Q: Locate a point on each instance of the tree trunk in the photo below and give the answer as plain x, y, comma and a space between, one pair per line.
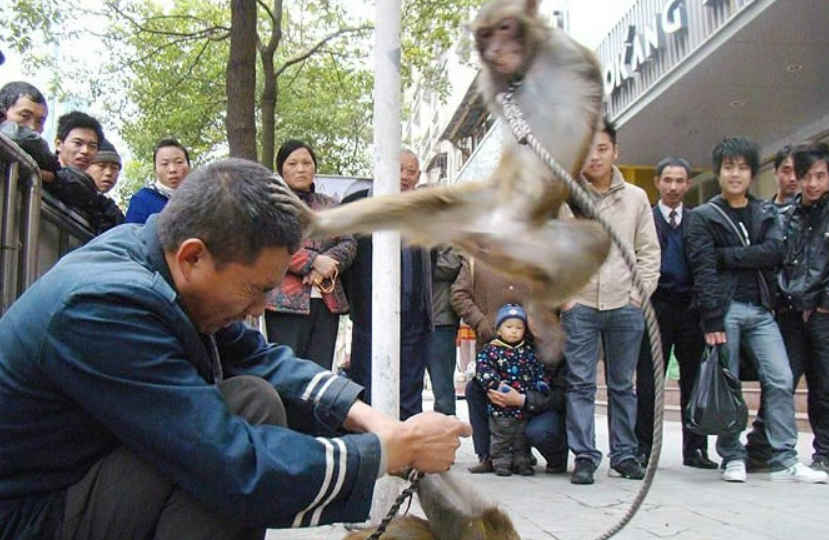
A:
241, 80
270, 91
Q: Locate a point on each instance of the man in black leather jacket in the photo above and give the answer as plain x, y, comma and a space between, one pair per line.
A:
803, 307
734, 244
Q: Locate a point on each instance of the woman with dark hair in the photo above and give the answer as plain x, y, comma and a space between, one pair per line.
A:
172, 165
304, 311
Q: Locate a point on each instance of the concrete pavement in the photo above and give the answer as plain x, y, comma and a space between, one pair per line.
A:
684, 503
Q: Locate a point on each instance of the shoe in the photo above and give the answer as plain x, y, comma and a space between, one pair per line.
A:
525, 470
484, 466
583, 472
735, 471
820, 463
556, 468
627, 468
800, 473
503, 471
699, 460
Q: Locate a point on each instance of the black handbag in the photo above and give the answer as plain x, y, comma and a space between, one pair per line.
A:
716, 406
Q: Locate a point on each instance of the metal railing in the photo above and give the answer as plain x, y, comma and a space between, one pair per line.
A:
35, 228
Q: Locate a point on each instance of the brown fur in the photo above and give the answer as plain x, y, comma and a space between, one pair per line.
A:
508, 221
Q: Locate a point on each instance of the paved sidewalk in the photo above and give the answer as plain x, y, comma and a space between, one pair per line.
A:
684, 503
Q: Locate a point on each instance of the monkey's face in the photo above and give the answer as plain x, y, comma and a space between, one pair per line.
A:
501, 46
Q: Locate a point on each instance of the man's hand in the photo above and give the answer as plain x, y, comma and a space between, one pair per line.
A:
427, 441
506, 396
635, 302
715, 338
568, 305
432, 439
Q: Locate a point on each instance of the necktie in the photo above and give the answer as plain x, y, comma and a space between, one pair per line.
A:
673, 222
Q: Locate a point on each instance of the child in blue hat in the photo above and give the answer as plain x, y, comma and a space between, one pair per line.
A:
509, 361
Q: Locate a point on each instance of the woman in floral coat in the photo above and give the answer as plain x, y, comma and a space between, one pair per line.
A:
304, 311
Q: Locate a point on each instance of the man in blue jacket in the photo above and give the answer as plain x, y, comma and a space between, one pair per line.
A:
134, 403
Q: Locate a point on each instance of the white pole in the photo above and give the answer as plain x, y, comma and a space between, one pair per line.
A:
385, 334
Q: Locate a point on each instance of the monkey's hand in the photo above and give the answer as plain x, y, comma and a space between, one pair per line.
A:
287, 201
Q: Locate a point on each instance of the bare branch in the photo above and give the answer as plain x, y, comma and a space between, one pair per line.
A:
319, 45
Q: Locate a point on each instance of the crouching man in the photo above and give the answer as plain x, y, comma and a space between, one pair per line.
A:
134, 402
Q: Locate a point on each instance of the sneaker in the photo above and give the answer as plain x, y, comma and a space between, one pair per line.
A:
800, 473
735, 471
820, 463
699, 460
484, 466
583, 472
627, 468
525, 470
503, 471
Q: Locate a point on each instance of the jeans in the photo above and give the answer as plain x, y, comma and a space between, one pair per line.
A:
544, 432
755, 325
679, 327
807, 345
440, 361
620, 331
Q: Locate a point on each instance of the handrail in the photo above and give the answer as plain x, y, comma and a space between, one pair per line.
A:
20, 166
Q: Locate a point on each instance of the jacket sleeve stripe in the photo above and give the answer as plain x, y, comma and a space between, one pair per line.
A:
325, 387
309, 390
326, 482
315, 518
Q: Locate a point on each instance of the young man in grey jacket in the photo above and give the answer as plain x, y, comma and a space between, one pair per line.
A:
608, 311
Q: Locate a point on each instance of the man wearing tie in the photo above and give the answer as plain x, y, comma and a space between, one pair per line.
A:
679, 324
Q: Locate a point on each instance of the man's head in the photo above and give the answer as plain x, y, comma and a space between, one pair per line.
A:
172, 162
599, 164
784, 173
673, 179
78, 138
811, 166
511, 323
105, 167
23, 104
226, 244
736, 161
409, 170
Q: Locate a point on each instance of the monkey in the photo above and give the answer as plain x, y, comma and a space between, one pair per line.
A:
508, 221
455, 511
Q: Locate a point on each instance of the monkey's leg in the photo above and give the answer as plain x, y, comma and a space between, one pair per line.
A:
429, 216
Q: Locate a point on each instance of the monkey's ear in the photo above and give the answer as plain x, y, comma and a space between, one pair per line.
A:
531, 7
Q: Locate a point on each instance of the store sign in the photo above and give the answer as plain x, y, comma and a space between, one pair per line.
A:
642, 45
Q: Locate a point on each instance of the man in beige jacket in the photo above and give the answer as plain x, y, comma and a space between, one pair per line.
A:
608, 310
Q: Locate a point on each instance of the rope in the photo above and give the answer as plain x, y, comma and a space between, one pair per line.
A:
521, 131
414, 480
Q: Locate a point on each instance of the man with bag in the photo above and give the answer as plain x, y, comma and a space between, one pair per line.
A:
734, 245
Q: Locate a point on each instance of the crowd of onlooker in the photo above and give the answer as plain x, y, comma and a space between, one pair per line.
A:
737, 272
85, 166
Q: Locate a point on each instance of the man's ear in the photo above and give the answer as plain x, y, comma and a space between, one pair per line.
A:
193, 257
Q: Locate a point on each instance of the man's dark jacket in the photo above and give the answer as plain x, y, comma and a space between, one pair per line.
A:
715, 254
803, 280
99, 353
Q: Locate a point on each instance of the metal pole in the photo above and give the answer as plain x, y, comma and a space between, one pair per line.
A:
385, 335
8, 239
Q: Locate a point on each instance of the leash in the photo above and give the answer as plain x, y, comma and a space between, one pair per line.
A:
414, 480
521, 131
